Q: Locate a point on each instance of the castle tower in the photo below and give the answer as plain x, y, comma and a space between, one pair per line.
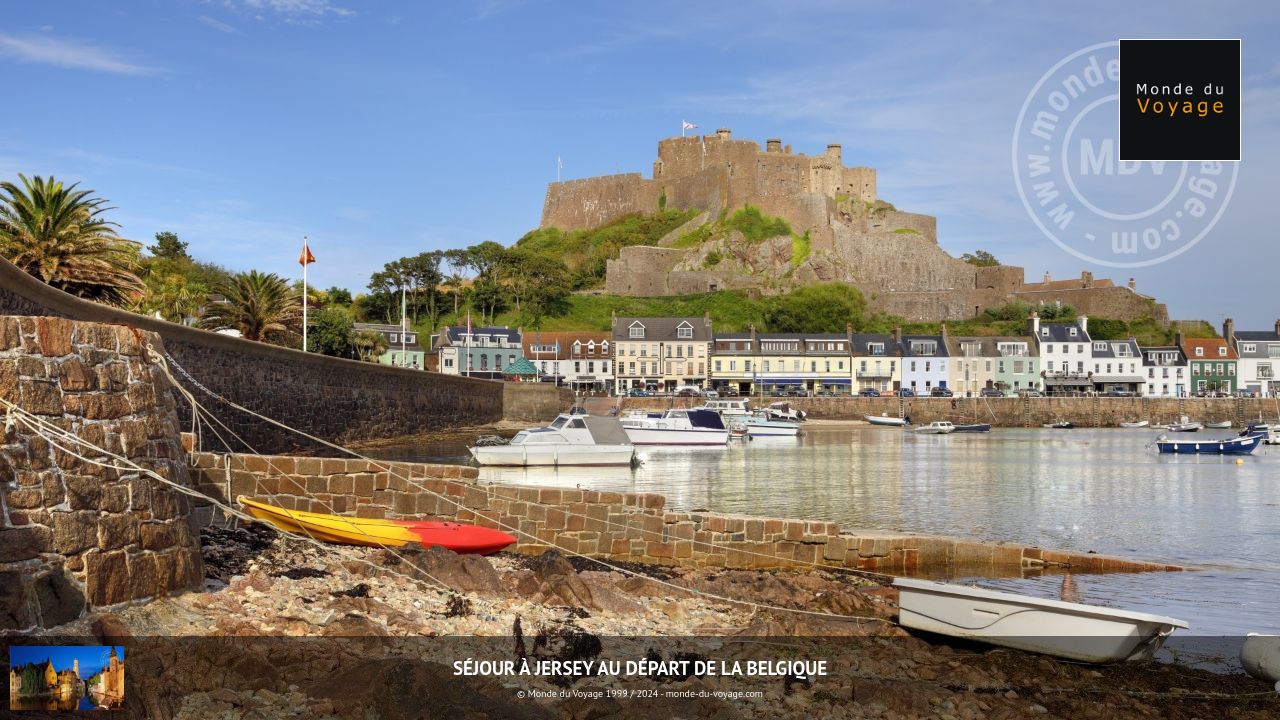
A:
75, 667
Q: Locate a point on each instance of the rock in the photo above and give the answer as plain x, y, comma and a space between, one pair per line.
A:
351, 625
109, 628
26, 542
461, 573
15, 608
59, 600
107, 578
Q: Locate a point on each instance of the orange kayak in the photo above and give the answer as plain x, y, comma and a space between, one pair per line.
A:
379, 532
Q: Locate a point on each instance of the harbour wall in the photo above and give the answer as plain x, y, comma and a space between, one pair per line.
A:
1013, 412
616, 526
332, 398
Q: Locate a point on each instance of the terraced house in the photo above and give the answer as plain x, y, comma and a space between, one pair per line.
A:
1213, 365
924, 362
876, 362
660, 353
1066, 357
1117, 367
764, 363
1259, 358
577, 359
1004, 363
482, 352
1167, 370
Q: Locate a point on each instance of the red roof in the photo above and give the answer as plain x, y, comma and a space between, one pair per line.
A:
1210, 347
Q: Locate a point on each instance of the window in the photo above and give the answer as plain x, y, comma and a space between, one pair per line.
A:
999, 366
717, 366
1073, 332
633, 368
971, 348
1273, 350
876, 348
913, 368
637, 330
924, 347
1050, 368
1080, 349
577, 367
1048, 348
746, 366
395, 337
1199, 352
411, 339
766, 366
1044, 332
1249, 348
733, 365
1099, 347
988, 366
1222, 352
1122, 350
1017, 367
1195, 367
448, 362
1264, 371
1231, 368
684, 331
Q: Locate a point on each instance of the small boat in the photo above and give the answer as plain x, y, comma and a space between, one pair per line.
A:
1239, 445
728, 408
937, 427
784, 411
1059, 425
762, 424
1260, 657
1135, 424
973, 428
1074, 631
1184, 424
1219, 425
571, 439
675, 427
887, 421
378, 532
1270, 433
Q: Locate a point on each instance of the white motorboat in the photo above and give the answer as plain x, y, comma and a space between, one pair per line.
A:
1270, 433
675, 427
1219, 425
784, 411
728, 408
1074, 631
886, 420
571, 439
1135, 424
1260, 657
1184, 424
937, 427
761, 424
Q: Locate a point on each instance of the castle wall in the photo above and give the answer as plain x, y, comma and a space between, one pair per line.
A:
592, 202
1111, 302
641, 271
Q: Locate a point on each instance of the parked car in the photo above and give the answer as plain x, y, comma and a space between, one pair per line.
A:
729, 392
795, 392
905, 392
688, 391
711, 394
869, 392
638, 392
823, 393
990, 392
1117, 393
940, 392
1030, 393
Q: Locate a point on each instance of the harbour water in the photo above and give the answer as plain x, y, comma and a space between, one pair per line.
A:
1088, 490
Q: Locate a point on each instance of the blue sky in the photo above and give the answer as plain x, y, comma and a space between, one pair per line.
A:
92, 657
383, 129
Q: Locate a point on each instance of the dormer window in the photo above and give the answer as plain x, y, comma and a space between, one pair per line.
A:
684, 331
1222, 352
876, 348
1199, 352
636, 330
1044, 332
604, 346
1073, 332
1099, 347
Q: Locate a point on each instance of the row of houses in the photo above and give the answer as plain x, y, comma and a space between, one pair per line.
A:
668, 353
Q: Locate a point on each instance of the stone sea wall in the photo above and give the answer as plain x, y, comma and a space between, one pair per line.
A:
75, 535
616, 526
1013, 412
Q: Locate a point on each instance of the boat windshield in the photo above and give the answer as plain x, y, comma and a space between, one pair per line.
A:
560, 421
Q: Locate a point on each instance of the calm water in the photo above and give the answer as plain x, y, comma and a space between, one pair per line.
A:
1099, 490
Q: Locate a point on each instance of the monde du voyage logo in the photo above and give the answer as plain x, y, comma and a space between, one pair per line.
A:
1123, 152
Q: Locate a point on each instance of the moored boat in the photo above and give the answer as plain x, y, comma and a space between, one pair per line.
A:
1074, 631
887, 421
1184, 424
784, 411
728, 408
973, 428
1239, 445
937, 427
571, 439
1219, 425
675, 427
1135, 424
379, 532
761, 424
1059, 425
1270, 433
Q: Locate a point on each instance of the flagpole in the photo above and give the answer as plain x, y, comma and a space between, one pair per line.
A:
404, 358
558, 166
304, 293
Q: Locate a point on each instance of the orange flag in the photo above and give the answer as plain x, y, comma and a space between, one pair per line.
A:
306, 258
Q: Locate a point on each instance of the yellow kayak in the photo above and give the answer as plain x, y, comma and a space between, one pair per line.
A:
379, 532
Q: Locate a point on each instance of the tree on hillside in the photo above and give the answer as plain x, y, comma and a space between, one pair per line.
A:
331, 332
422, 272
536, 280
169, 247
485, 258
487, 297
981, 258
370, 344
58, 234
261, 306
825, 307
338, 296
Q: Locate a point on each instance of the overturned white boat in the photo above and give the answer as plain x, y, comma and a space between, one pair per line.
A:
1074, 631
887, 421
571, 439
1135, 424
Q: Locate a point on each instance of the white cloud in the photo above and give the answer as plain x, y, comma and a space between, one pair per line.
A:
294, 11
217, 25
45, 50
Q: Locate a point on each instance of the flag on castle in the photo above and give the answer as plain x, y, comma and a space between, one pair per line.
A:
306, 258
686, 125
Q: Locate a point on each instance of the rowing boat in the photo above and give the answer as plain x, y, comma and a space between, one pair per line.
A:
380, 532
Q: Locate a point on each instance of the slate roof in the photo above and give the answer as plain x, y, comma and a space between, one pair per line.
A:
389, 330
1061, 332
661, 329
1147, 350
1256, 337
456, 334
989, 345
563, 341
860, 341
1110, 351
907, 350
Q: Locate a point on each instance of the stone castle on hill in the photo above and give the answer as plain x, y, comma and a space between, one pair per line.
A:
852, 235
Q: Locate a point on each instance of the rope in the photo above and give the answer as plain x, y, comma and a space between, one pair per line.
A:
390, 470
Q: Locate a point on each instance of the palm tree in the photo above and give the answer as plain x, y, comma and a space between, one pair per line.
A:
57, 233
256, 304
370, 344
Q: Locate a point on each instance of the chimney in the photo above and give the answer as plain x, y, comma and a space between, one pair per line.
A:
1047, 277
897, 334
752, 328
1033, 323
848, 333
786, 150
1083, 323
943, 330
1177, 338
1086, 278
773, 145
1133, 284
1229, 331
724, 134
1278, 327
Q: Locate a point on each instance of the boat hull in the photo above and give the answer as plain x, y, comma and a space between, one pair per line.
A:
1230, 446
973, 428
669, 436
1067, 630
885, 420
1132, 425
553, 455
380, 532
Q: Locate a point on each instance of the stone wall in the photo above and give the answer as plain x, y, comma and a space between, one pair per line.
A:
74, 535
340, 400
633, 527
1105, 412
534, 402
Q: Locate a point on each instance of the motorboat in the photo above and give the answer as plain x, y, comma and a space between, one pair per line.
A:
1270, 433
937, 427
1073, 631
1135, 424
1219, 425
571, 439
887, 421
1239, 445
729, 407
1184, 424
380, 532
973, 428
1059, 425
762, 424
784, 411
675, 427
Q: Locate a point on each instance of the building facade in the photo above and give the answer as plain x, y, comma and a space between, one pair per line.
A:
1004, 363
1066, 356
403, 349
877, 362
579, 360
1213, 365
768, 363
1117, 367
924, 363
1258, 353
661, 354
1167, 371
483, 352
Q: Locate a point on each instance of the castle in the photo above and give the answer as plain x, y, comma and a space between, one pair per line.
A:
849, 235
110, 688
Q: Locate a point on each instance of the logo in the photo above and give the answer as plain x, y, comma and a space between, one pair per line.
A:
1075, 187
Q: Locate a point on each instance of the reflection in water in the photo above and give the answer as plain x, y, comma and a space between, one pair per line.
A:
1100, 490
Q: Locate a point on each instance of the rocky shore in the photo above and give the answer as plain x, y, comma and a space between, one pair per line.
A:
286, 629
